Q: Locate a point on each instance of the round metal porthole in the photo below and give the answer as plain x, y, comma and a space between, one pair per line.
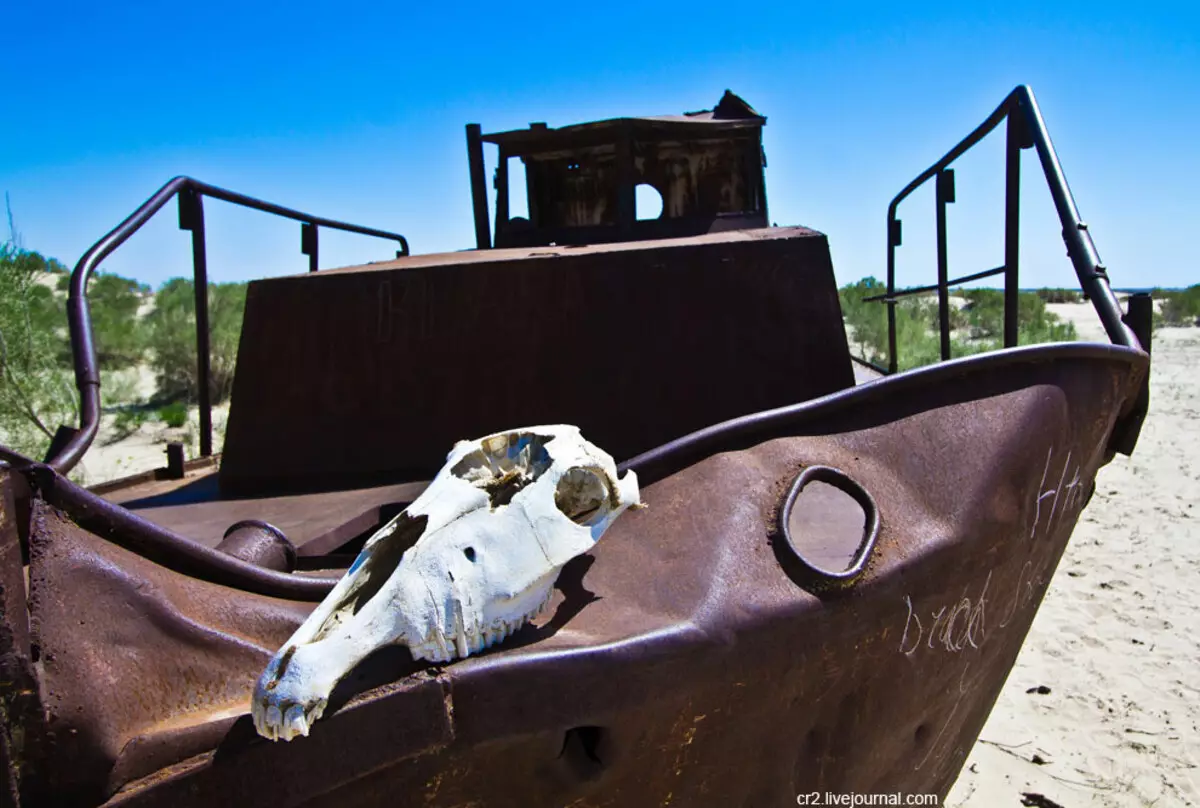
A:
829, 524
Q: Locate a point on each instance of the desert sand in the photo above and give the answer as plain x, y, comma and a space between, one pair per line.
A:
1117, 638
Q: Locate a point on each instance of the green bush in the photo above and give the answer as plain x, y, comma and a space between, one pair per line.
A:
172, 338
129, 420
976, 327
866, 323
36, 389
916, 321
174, 414
119, 334
985, 317
1060, 295
1180, 307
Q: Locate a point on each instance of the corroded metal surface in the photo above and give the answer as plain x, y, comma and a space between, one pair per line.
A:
383, 368
683, 662
23, 745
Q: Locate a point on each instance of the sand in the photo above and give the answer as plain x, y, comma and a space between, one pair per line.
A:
114, 455
1117, 639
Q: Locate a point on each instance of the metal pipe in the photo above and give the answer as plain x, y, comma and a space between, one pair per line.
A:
1093, 277
893, 242
944, 195
856, 403
79, 320
125, 528
1012, 228
79, 323
916, 290
191, 217
893, 362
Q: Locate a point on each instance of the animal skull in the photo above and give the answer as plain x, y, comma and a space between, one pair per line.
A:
470, 561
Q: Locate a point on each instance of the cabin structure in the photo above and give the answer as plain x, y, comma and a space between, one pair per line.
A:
583, 182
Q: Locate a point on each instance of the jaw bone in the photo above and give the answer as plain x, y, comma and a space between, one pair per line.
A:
469, 562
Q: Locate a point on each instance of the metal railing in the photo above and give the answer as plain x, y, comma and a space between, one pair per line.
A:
1025, 129
70, 444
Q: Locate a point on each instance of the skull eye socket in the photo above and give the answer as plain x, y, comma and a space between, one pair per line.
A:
583, 495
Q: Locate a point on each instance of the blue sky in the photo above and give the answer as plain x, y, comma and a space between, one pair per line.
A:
357, 112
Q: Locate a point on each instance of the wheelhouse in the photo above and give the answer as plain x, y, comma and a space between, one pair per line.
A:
589, 183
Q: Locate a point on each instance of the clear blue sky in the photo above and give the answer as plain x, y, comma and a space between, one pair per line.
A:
357, 112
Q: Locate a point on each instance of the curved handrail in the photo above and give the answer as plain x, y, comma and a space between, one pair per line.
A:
173, 550
792, 420
83, 349
1093, 278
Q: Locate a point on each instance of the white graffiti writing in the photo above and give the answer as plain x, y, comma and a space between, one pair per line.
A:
962, 623
952, 627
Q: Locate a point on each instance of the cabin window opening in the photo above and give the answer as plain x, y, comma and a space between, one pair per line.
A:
518, 197
648, 202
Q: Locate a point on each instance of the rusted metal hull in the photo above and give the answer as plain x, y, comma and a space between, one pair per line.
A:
354, 376
685, 662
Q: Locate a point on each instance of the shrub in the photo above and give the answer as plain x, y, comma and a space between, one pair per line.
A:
172, 338
1180, 307
917, 324
174, 414
866, 323
36, 392
120, 335
1060, 295
129, 420
985, 316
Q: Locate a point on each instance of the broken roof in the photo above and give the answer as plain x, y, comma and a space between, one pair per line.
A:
730, 113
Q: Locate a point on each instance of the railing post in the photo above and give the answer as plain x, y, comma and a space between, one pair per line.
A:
479, 196
501, 185
894, 239
191, 217
626, 193
1014, 142
945, 195
308, 243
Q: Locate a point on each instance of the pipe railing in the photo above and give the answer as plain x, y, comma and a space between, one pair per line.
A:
67, 451
1025, 129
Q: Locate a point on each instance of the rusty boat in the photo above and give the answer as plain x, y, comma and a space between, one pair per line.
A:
837, 568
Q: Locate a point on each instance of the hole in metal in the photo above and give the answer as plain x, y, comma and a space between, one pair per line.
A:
830, 524
827, 526
581, 751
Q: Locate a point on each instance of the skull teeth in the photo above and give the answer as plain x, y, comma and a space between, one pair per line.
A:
284, 721
438, 648
295, 723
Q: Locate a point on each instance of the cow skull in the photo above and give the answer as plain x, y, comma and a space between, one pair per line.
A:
470, 561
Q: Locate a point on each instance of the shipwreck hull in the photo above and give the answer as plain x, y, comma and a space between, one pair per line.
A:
692, 659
